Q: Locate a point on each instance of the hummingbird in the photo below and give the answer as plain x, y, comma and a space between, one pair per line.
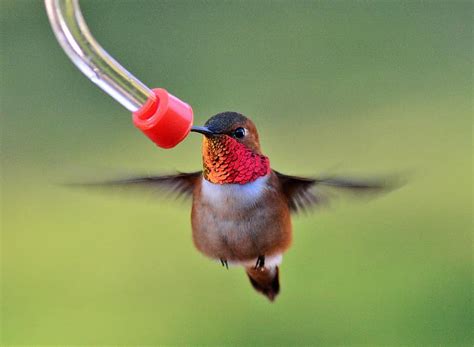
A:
241, 207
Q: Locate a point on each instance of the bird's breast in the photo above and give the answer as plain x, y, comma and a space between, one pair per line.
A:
225, 196
239, 221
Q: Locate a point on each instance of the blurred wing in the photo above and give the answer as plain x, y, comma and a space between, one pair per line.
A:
180, 184
303, 193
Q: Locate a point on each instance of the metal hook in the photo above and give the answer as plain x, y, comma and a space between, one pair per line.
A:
75, 38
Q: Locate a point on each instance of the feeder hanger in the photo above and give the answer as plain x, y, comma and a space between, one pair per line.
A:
164, 118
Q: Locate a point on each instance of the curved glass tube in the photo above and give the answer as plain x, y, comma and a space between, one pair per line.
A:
75, 38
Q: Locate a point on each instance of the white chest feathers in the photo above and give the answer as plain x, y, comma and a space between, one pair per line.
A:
234, 194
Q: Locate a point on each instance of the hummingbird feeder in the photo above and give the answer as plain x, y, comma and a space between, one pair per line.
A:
161, 116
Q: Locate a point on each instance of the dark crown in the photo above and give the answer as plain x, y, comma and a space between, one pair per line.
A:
225, 121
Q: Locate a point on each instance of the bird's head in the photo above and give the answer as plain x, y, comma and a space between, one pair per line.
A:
231, 149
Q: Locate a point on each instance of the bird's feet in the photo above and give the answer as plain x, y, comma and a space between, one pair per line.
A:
260, 262
224, 263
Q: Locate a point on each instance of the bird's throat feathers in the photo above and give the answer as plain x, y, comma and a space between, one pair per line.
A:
226, 160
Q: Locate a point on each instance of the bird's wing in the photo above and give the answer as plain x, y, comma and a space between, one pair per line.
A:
178, 185
303, 193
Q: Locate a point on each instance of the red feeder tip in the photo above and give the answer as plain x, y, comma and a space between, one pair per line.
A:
164, 118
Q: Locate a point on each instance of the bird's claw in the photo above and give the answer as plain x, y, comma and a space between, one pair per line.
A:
224, 263
260, 264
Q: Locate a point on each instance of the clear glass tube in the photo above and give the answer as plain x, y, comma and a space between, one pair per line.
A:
75, 38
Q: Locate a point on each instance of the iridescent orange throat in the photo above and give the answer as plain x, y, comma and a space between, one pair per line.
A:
226, 160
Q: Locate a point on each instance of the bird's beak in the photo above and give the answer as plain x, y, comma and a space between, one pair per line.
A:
202, 130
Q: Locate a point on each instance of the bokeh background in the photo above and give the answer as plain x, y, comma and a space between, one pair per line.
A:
357, 88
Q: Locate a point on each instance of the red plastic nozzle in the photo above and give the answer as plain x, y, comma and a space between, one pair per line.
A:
164, 118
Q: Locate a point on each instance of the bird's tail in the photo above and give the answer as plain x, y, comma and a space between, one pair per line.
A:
265, 280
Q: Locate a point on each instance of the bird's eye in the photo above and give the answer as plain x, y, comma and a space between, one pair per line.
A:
239, 133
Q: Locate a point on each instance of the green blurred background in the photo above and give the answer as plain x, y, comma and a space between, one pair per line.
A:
346, 87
